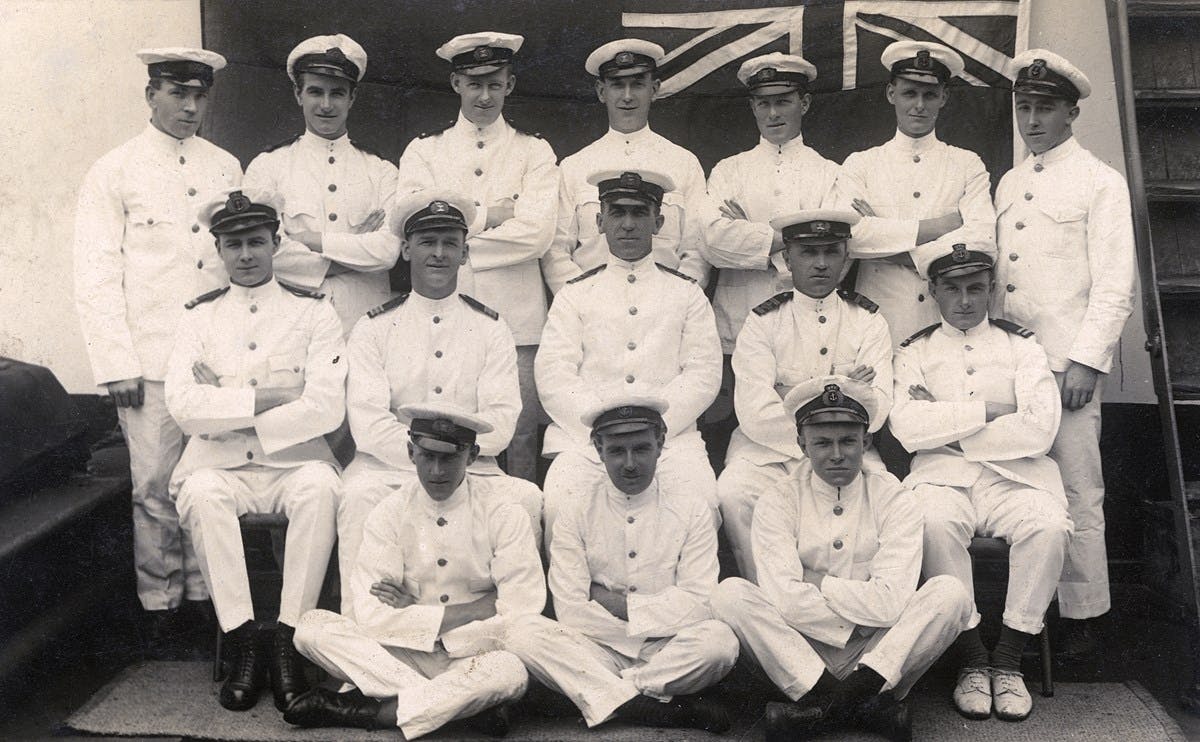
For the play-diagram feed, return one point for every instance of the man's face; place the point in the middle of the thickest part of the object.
(441, 472)
(963, 299)
(435, 255)
(630, 458)
(627, 100)
(917, 105)
(816, 269)
(835, 449)
(629, 224)
(248, 255)
(778, 116)
(177, 110)
(326, 103)
(1044, 121)
(481, 97)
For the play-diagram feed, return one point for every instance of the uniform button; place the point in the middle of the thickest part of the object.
(150, 221)
(333, 217)
(479, 145)
(254, 382)
(970, 371)
(478, 171)
(477, 203)
(253, 345)
(837, 510)
(920, 297)
(440, 521)
(632, 588)
(968, 347)
(824, 351)
(191, 191)
(633, 310)
(437, 390)
(444, 598)
(1013, 256)
(916, 158)
(631, 278)
(1028, 196)
(630, 519)
(822, 319)
(253, 308)
(837, 543)
(1020, 225)
(195, 228)
(295, 369)
(1010, 288)
(1039, 168)
(632, 554)
(631, 345)
(182, 160)
(332, 187)
(441, 562)
(204, 436)
(916, 194)
(199, 264)
(332, 159)
(437, 354)
(249, 455)
(629, 379)
(436, 319)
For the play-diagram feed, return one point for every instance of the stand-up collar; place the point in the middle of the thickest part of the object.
(1064, 150)
(915, 145)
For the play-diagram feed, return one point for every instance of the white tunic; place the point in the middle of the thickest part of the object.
(140, 252)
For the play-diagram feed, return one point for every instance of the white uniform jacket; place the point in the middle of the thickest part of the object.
(1067, 267)
(257, 337)
(491, 164)
(864, 537)
(659, 548)
(788, 340)
(579, 245)
(447, 553)
(417, 349)
(766, 181)
(330, 186)
(906, 180)
(963, 371)
(635, 326)
(140, 252)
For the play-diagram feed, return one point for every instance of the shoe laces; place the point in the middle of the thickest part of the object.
(1009, 681)
(247, 660)
(975, 679)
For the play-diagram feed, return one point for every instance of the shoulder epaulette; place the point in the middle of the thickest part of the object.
(285, 143)
(436, 130)
(674, 272)
(858, 299)
(1012, 327)
(301, 291)
(205, 297)
(388, 305)
(587, 274)
(524, 130)
(358, 146)
(775, 302)
(479, 306)
(920, 334)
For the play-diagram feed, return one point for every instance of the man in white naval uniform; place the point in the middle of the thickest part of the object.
(256, 378)
(836, 621)
(631, 567)
(976, 402)
(139, 255)
(432, 344)
(1067, 271)
(336, 195)
(446, 564)
(511, 176)
(626, 73)
(634, 325)
(811, 331)
(917, 194)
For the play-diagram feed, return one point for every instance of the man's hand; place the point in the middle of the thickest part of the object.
(863, 208)
(731, 209)
(1077, 385)
(500, 212)
(919, 393)
(929, 230)
(993, 410)
(204, 375)
(372, 223)
(613, 602)
(127, 392)
(312, 240)
(863, 373)
(392, 594)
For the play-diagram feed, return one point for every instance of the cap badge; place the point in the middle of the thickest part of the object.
(443, 427)
(924, 61)
(625, 411)
(624, 59)
(336, 54)
(439, 207)
(960, 253)
(237, 202)
(1038, 69)
(482, 53)
(819, 227)
(767, 73)
(630, 180)
(833, 394)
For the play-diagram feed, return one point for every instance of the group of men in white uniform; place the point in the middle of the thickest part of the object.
(293, 361)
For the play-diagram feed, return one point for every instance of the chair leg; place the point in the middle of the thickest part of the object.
(1047, 664)
(218, 670)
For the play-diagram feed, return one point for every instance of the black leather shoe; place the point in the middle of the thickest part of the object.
(321, 707)
(247, 670)
(704, 713)
(785, 722)
(494, 722)
(686, 712)
(287, 668)
(882, 714)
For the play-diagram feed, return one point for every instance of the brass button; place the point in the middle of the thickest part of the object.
(479, 145)
(444, 598)
(437, 354)
(837, 510)
(296, 369)
(631, 278)
(191, 191)
(916, 194)
(1020, 225)
(920, 297)
(182, 160)
(253, 308)
(195, 228)
(1028, 196)
(837, 543)
(633, 310)
(1013, 256)
(633, 588)
(1010, 288)
(629, 379)
(630, 519)
(824, 351)
(199, 264)
(440, 521)
(632, 554)
(970, 371)
(150, 220)
(204, 436)
(478, 171)
(249, 455)
(631, 345)
(333, 217)
(436, 319)
(332, 187)
(254, 382)
(822, 319)
(441, 562)
(968, 347)
(1039, 168)
(916, 158)
(253, 345)
(437, 390)
(332, 159)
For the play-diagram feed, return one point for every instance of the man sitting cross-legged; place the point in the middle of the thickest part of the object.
(837, 622)
(631, 566)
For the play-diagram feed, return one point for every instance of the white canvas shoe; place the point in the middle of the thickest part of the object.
(1013, 702)
(973, 693)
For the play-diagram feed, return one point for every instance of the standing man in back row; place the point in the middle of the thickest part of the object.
(1067, 272)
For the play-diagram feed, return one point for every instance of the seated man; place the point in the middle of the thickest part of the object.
(837, 622)
(446, 562)
(975, 400)
(788, 339)
(434, 343)
(631, 567)
(254, 379)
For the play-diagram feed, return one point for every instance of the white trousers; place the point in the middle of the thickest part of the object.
(1033, 522)
(598, 679)
(364, 488)
(163, 556)
(794, 663)
(430, 688)
(682, 467)
(210, 502)
(1083, 589)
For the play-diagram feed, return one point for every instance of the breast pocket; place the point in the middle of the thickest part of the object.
(287, 369)
(1068, 226)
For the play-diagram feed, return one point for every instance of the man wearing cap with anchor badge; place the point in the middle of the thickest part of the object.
(512, 177)
(256, 378)
(631, 324)
(975, 400)
(446, 564)
(631, 566)
(335, 193)
(433, 344)
(1068, 272)
(918, 195)
(836, 621)
(813, 330)
(626, 73)
(140, 253)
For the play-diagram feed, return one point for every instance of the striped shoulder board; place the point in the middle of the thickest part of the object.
(588, 274)
(674, 272)
(479, 306)
(434, 131)
(202, 298)
(920, 334)
(775, 302)
(1012, 327)
(858, 299)
(300, 291)
(388, 305)
(285, 143)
